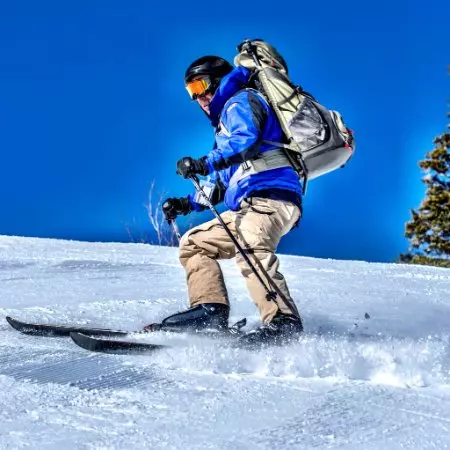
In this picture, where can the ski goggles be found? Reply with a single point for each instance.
(198, 88)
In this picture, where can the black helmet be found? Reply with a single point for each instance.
(214, 66)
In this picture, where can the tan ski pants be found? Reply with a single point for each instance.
(258, 226)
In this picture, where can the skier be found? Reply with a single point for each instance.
(263, 194)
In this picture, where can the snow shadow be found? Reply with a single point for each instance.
(87, 372)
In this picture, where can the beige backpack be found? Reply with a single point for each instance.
(317, 139)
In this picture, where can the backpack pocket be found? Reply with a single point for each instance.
(324, 141)
(345, 133)
(308, 127)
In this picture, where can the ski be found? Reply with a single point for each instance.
(50, 330)
(118, 347)
(110, 346)
(36, 329)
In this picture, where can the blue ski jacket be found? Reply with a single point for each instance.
(243, 119)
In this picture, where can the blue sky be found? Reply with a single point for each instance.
(93, 109)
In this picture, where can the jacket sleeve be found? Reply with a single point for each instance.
(243, 123)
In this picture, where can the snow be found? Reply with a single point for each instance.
(372, 371)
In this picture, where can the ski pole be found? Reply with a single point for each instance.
(271, 295)
(175, 229)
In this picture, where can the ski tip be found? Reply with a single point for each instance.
(13, 322)
(115, 347)
(80, 339)
(89, 343)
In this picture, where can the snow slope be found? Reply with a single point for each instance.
(373, 370)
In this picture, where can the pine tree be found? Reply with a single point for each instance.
(429, 229)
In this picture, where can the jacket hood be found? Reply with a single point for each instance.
(229, 85)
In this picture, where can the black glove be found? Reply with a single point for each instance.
(187, 167)
(173, 207)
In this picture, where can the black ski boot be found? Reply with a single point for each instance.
(281, 330)
(207, 316)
